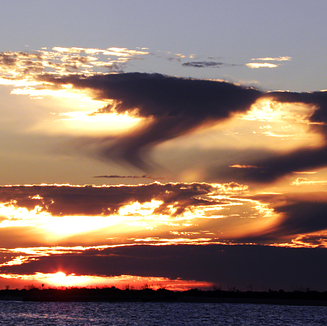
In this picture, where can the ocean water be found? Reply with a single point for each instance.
(137, 313)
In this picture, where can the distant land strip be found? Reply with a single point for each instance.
(113, 294)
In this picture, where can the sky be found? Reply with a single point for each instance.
(176, 144)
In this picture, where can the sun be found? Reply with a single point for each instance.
(62, 279)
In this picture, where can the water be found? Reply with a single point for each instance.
(137, 313)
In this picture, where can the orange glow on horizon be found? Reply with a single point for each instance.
(61, 279)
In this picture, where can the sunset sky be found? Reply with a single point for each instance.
(174, 144)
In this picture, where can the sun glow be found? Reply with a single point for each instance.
(268, 110)
(106, 123)
(61, 279)
(136, 208)
(20, 216)
(288, 123)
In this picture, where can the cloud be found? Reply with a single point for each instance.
(203, 64)
(25, 66)
(124, 52)
(115, 176)
(238, 166)
(172, 106)
(306, 181)
(91, 215)
(256, 65)
(168, 107)
(224, 210)
(87, 200)
(303, 215)
(227, 265)
(278, 165)
(280, 58)
(297, 214)
(313, 240)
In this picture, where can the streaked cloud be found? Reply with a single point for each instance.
(256, 65)
(239, 166)
(115, 176)
(206, 64)
(311, 240)
(281, 58)
(298, 213)
(306, 181)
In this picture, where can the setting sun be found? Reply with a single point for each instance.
(61, 279)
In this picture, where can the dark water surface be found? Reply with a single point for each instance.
(138, 313)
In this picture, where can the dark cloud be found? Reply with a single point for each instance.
(228, 265)
(115, 176)
(203, 64)
(278, 165)
(299, 214)
(312, 240)
(318, 99)
(69, 200)
(303, 216)
(207, 64)
(174, 107)
(272, 168)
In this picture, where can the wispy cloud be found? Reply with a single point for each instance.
(285, 58)
(306, 182)
(295, 211)
(240, 166)
(256, 65)
(115, 176)
(17, 66)
(206, 64)
(302, 159)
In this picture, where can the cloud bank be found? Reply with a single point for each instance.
(171, 106)
(303, 159)
(227, 266)
(183, 254)
(228, 207)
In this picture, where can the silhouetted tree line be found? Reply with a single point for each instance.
(147, 294)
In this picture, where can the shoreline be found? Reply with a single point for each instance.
(298, 298)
